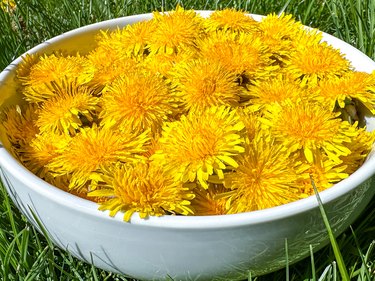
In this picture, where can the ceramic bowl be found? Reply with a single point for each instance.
(184, 248)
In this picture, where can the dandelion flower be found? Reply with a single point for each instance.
(309, 127)
(137, 102)
(264, 93)
(243, 54)
(313, 62)
(231, 20)
(324, 172)
(339, 91)
(108, 66)
(208, 202)
(176, 30)
(143, 188)
(18, 124)
(281, 33)
(161, 64)
(24, 68)
(94, 149)
(201, 84)
(360, 147)
(71, 106)
(280, 27)
(266, 176)
(128, 41)
(53, 68)
(201, 144)
(41, 151)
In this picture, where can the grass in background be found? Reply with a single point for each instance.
(27, 255)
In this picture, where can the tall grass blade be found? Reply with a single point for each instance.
(284, 7)
(336, 250)
(312, 264)
(24, 255)
(286, 261)
(249, 277)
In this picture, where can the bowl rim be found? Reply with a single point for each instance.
(58, 196)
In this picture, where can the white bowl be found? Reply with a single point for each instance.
(184, 248)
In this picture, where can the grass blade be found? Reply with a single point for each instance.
(286, 261)
(312, 264)
(336, 250)
(363, 270)
(326, 273)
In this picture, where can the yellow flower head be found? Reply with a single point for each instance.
(18, 123)
(339, 91)
(324, 172)
(24, 68)
(143, 188)
(360, 147)
(208, 202)
(70, 107)
(128, 41)
(162, 64)
(137, 102)
(266, 176)
(282, 33)
(201, 144)
(94, 149)
(108, 66)
(231, 20)
(265, 93)
(54, 68)
(280, 27)
(312, 62)
(243, 54)
(175, 30)
(41, 151)
(202, 83)
(309, 127)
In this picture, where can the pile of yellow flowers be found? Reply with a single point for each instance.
(193, 116)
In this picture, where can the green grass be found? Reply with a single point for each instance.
(26, 255)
